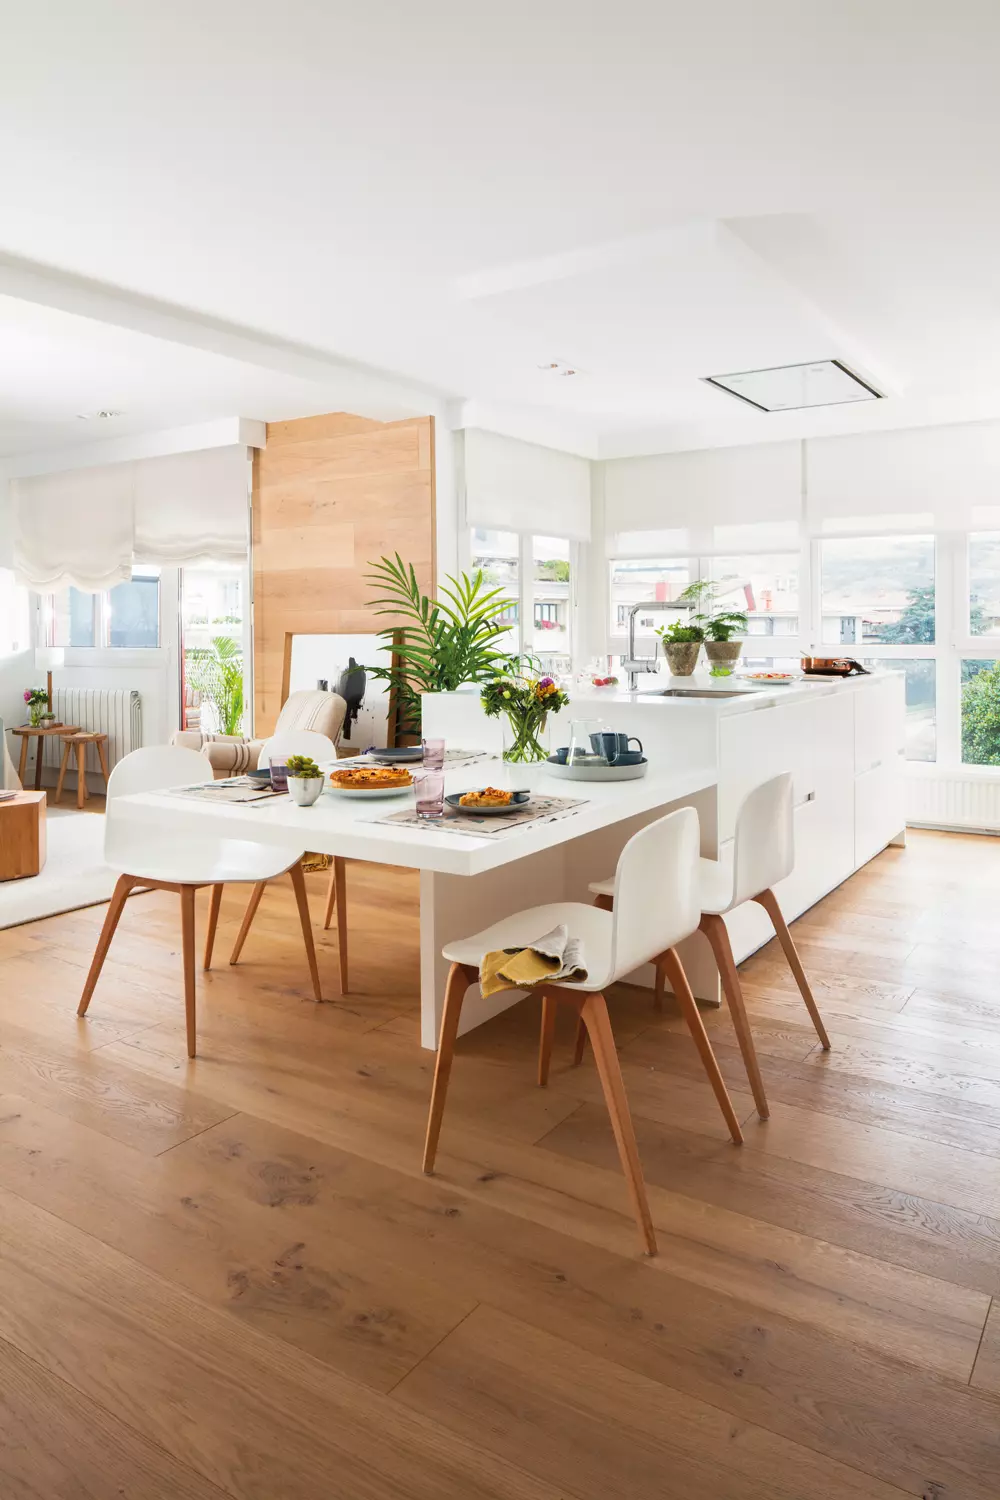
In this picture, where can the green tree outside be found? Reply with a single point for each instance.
(981, 717)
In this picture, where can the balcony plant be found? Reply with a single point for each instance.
(216, 672)
(437, 645)
(681, 646)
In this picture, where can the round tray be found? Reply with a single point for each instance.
(367, 791)
(597, 773)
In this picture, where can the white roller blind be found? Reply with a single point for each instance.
(919, 479)
(192, 507)
(710, 500)
(515, 486)
(74, 528)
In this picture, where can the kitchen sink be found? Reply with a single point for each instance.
(697, 693)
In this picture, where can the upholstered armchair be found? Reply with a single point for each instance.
(230, 754)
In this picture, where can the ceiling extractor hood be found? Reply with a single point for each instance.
(822, 382)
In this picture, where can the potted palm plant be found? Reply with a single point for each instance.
(722, 629)
(437, 645)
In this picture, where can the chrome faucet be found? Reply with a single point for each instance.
(633, 665)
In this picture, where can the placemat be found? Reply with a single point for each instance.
(538, 810)
(234, 789)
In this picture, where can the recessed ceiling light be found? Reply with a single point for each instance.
(823, 382)
(93, 416)
(557, 367)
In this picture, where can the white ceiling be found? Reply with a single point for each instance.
(457, 193)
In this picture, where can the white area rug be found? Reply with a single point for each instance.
(74, 873)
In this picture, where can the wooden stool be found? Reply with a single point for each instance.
(80, 740)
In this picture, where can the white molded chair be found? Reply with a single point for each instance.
(763, 854)
(152, 858)
(656, 905)
(321, 749)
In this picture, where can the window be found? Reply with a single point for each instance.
(498, 554)
(980, 708)
(126, 617)
(212, 639)
(921, 702)
(550, 585)
(636, 579)
(984, 583)
(878, 591)
(766, 587)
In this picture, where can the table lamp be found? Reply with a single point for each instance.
(47, 658)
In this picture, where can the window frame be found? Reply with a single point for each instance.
(532, 636)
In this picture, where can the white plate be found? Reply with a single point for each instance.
(368, 791)
(769, 679)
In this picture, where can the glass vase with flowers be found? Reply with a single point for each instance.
(37, 700)
(526, 701)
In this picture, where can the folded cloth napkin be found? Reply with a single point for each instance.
(552, 957)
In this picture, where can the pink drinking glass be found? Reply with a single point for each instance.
(429, 785)
(433, 754)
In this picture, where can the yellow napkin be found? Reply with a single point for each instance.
(515, 969)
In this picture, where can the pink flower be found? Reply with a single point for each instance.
(27, 697)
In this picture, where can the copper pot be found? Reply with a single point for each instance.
(833, 666)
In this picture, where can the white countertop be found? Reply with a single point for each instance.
(346, 826)
(752, 696)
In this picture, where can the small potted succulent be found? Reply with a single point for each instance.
(305, 780)
(681, 645)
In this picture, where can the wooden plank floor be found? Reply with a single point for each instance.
(228, 1277)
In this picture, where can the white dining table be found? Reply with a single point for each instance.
(467, 881)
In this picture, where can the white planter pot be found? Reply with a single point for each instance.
(304, 789)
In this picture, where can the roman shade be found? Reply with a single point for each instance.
(915, 479)
(515, 486)
(193, 507)
(710, 500)
(85, 527)
(75, 528)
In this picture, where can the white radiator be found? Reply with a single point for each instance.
(116, 712)
(956, 799)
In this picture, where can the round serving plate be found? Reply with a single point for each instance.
(597, 772)
(518, 800)
(770, 679)
(364, 792)
(397, 755)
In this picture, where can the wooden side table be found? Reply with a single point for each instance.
(78, 740)
(38, 732)
(22, 835)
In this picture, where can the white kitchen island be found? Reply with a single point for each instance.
(841, 738)
(842, 741)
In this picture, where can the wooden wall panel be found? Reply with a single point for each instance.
(330, 495)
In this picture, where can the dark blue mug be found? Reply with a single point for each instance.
(615, 747)
(559, 756)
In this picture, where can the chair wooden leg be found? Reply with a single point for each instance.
(302, 902)
(549, 1008)
(580, 1042)
(63, 764)
(669, 965)
(115, 909)
(187, 947)
(104, 763)
(595, 1018)
(336, 896)
(715, 930)
(769, 901)
(81, 776)
(460, 976)
(248, 917)
(213, 922)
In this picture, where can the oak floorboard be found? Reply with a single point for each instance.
(256, 1418)
(621, 1435)
(233, 1272)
